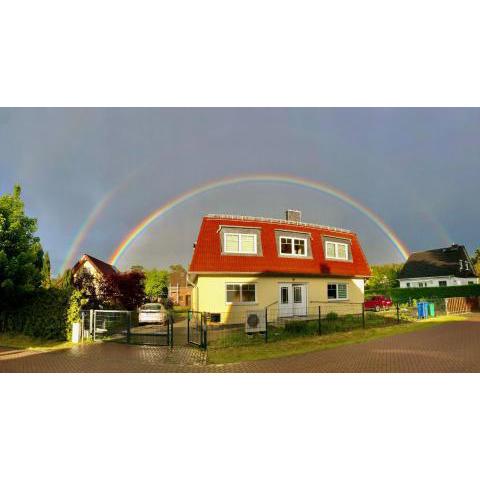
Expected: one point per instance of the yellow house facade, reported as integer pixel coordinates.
(210, 295)
(285, 268)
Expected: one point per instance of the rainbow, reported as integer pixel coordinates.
(88, 223)
(285, 179)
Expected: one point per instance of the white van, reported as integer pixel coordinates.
(152, 313)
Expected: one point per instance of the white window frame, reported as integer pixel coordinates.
(337, 299)
(241, 293)
(335, 245)
(240, 235)
(293, 254)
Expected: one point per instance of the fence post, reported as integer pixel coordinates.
(171, 330)
(398, 313)
(266, 325)
(129, 326)
(82, 325)
(319, 320)
(93, 327)
(204, 331)
(363, 315)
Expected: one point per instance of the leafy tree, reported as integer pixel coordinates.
(137, 268)
(46, 274)
(85, 283)
(156, 284)
(476, 260)
(384, 277)
(74, 311)
(177, 267)
(65, 280)
(123, 290)
(20, 250)
(178, 274)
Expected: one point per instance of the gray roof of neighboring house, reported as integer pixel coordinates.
(449, 261)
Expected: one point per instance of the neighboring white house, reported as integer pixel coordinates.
(443, 267)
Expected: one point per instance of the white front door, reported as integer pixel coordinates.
(292, 299)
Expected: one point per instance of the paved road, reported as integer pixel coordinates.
(453, 347)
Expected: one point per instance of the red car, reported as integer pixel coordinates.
(377, 303)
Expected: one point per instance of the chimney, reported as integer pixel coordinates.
(293, 215)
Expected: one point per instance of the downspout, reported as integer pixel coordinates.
(195, 291)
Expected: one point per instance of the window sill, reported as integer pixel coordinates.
(334, 259)
(337, 299)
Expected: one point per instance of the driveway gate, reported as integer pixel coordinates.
(158, 334)
(197, 329)
(122, 326)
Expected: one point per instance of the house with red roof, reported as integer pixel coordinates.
(97, 268)
(244, 264)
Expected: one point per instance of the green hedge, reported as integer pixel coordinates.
(372, 293)
(405, 294)
(42, 314)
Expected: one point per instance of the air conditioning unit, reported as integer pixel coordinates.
(255, 322)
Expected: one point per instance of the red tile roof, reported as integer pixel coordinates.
(104, 268)
(208, 258)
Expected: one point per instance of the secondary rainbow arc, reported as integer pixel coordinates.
(90, 221)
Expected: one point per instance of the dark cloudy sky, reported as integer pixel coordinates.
(416, 168)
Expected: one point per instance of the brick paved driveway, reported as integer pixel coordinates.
(453, 347)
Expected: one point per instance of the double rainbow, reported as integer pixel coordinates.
(285, 179)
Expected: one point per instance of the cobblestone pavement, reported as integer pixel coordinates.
(453, 347)
(104, 357)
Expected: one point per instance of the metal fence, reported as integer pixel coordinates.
(272, 324)
(123, 326)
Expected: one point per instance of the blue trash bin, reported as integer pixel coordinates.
(422, 310)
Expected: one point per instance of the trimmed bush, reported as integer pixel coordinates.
(43, 314)
(406, 294)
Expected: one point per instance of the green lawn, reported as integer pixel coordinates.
(29, 343)
(304, 344)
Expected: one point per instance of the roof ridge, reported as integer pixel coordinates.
(276, 220)
(455, 246)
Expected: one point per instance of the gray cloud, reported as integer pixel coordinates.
(416, 168)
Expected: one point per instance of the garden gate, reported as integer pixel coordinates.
(197, 329)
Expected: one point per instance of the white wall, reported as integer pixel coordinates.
(434, 281)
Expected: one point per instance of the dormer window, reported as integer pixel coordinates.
(293, 246)
(336, 250)
(242, 243)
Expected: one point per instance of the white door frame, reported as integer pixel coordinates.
(286, 292)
